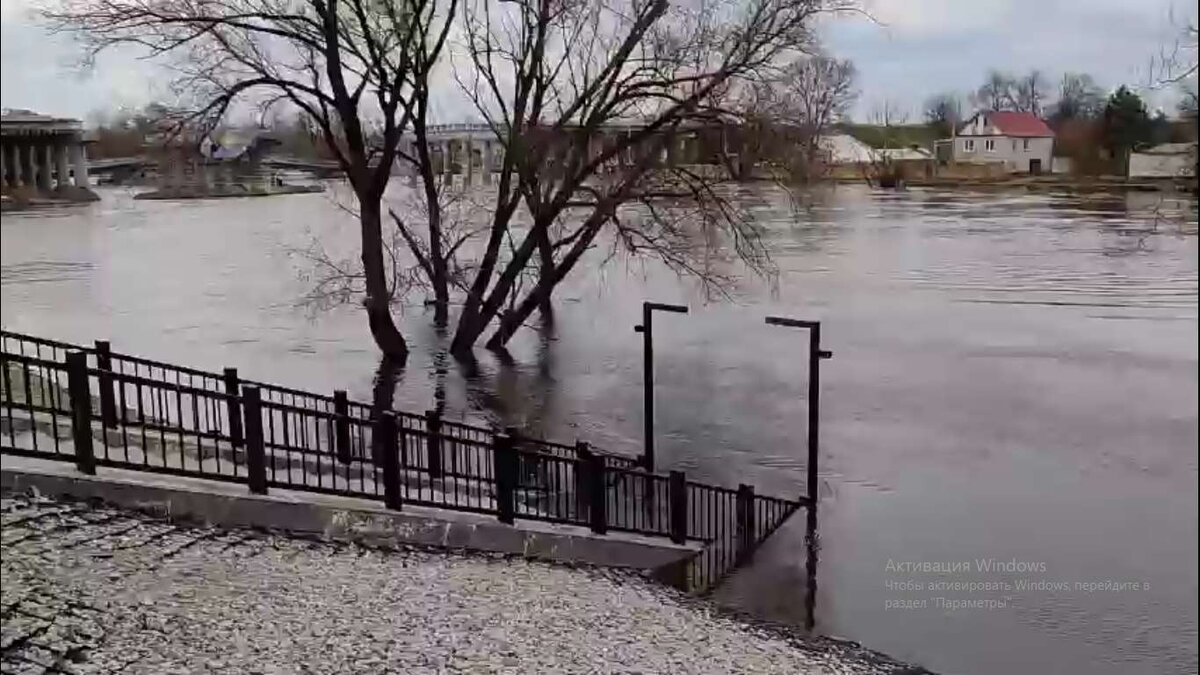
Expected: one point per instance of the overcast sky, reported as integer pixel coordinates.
(911, 49)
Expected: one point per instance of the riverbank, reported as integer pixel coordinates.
(1046, 183)
(95, 589)
(24, 198)
(1061, 183)
(234, 191)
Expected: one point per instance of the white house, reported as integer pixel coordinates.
(1021, 141)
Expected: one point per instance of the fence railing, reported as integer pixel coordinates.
(96, 407)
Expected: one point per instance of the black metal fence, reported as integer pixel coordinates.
(96, 407)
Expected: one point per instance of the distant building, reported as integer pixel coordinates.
(225, 163)
(1169, 160)
(1020, 141)
(42, 157)
(843, 149)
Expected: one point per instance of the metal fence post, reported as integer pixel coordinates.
(341, 426)
(505, 454)
(391, 461)
(815, 354)
(433, 442)
(256, 459)
(582, 489)
(527, 465)
(233, 407)
(597, 498)
(108, 404)
(677, 493)
(81, 411)
(745, 522)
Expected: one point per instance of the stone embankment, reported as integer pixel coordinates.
(94, 589)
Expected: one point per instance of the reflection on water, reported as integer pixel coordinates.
(1015, 377)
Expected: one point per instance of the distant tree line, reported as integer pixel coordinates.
(1096, 129)
(130, 132)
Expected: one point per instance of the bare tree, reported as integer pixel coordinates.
(1176, 64)
(586, 99)
(943, 111)
(1029, 93)
(1079, 97)
(888, 114)
(998, 92)
(805, 100)
(358, 69)
(1188, 102)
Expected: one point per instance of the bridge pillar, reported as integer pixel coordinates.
(593, 148)
(469, 158)
(29, 163)
(200, 167)
(25, 163)
(60, 165)
(79, 164)
(485, 168)
(448, 162)
(45, 166)
(410, 149)
(8, 163)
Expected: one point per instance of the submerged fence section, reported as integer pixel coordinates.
(95, 407)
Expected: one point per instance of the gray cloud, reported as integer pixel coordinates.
(919, 47)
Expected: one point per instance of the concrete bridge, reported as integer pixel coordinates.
(471, 152)
(43, 157)
(471, 149)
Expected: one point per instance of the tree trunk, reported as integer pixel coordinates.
(505, 282)
(383, 395)
(545, 271)
(378, 299)
(473, 319)
(513, 319)
(440, 278)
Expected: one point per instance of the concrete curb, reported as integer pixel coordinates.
(342, 518)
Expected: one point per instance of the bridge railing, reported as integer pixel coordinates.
(95, 407)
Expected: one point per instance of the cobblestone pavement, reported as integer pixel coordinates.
(91, 589)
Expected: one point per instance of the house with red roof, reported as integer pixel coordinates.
(1019, 140)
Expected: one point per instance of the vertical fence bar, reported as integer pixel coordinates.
(81, 411)
(597, 499)
(505, 453)
(745, 523)
(677, 494)
(108, 405)
(391, 461)
(233, 407)
(433, 442)
(256, 460)
(341, 408)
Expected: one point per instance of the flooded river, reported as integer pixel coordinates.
(1010, 417)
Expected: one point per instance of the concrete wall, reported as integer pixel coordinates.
(194, 500)
(972, 170)
(1154, 165)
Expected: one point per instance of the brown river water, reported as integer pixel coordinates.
(1009, 463)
